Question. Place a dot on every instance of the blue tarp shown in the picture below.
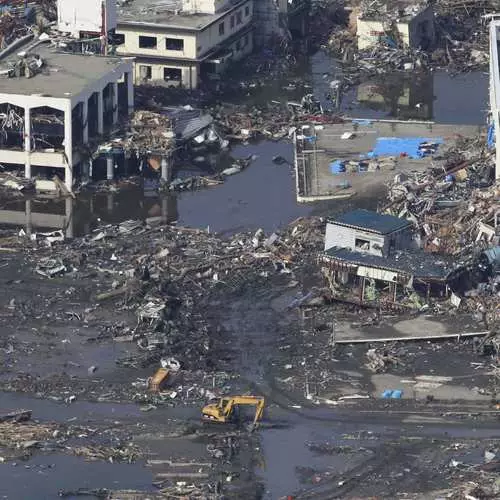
(491, 136)
(337, 167)
(395, 146)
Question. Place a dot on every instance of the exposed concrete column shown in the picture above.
(129, 77)
(109, 168)
(85, 170)
(27, 142)
(100, 113)
(28, 217)
(115, 102)
(69, 217)
(164, 208)
(110, 198)
(166, 167)
(85, 120)
(68, 146)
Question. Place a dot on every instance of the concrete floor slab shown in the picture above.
(315, 181)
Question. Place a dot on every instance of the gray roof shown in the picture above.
(372, 222)
(187, 123)
(168, 13)
(413, 263)
(62, 75)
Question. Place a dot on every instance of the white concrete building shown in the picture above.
(49, 117)
(495, 89)
(181, 46)
(79, 17)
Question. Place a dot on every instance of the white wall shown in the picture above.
(74, 16)
(344, 237)
(495, 90)
(204, 6)
(131, 45)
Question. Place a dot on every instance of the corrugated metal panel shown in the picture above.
(378, 274)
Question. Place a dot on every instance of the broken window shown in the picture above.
(172, 74)
(361, 244)
(239, 17)
(221, 28)
(145, 72)
(174, 44)
(11, 126)
(118, 39)
(47, 129)
(147, 42)
(247, 11)
(232, 22)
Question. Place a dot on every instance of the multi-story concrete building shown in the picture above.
(54, 103)
(495, 92)
(180, 47)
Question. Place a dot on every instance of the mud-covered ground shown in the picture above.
(62, 354)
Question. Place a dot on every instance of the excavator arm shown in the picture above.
(223, 410)
(256, 401)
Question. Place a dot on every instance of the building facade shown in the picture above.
(180, 49)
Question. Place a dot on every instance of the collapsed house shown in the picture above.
(398, 23)
(371, 258)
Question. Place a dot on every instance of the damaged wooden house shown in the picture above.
(373, 259)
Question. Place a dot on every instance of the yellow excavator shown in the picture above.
(224, 410)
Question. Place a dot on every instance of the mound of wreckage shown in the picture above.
(161, 280)
(460, 42)
(455, 208)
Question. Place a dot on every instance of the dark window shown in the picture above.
(221, 29)
(174, 44)
(232, 21)
(361, 244)
(172, 74)
(239, 16)
(147, 42)
(119, 39)
(247, 11)
(145, 72)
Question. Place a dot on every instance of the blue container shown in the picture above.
(387, 394)
(397, 394)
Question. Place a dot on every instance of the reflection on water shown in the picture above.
(262, 195)
(401, 97)
(81, 216)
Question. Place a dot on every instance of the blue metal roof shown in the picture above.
(370, 221)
